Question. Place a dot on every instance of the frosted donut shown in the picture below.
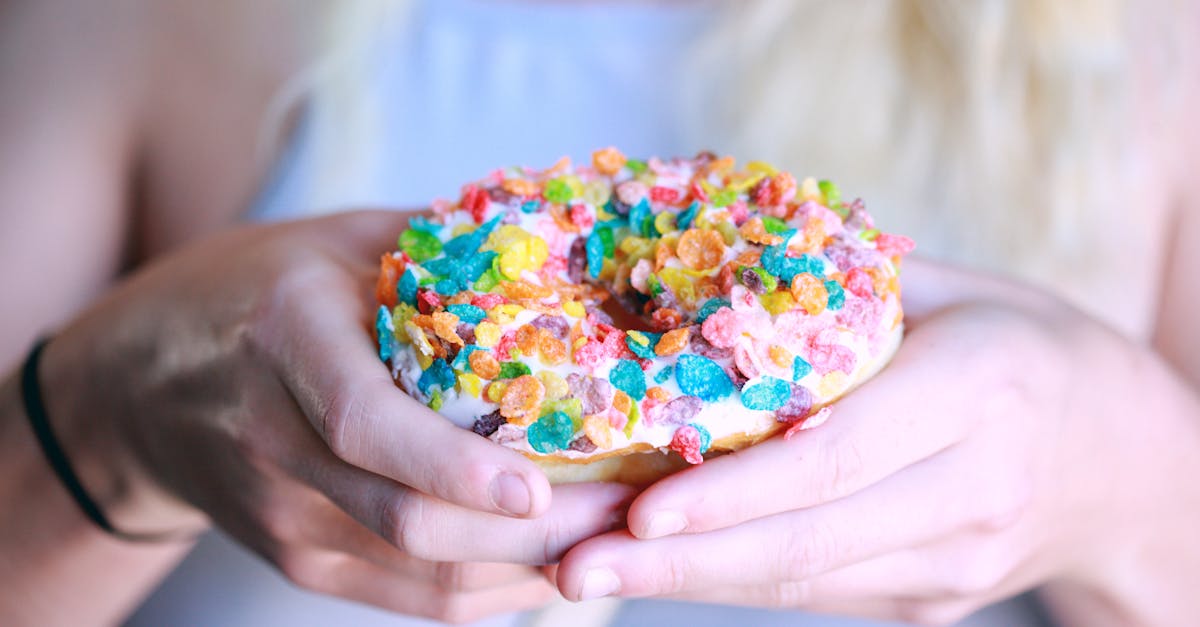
(745, 304)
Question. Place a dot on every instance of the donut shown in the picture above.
(624, 319)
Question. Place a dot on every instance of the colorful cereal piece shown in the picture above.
(673, 342)
(837, 297)
(690, 441)
(608, 161)
(800, 368)
(385, 332)
(702, 377)
(556, 386)
(467, 313)
(701, 249)
(521, 400)
(487, 424)
(598, 430)
(628, 377)
(512, 370)
(406, 289)
(710, 307)
(421, 246)
(642, 343)
(766, 393)
(551, 432)
(483, 364)
(439, 373)
(810, 293)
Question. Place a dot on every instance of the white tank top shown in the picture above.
(475, 85)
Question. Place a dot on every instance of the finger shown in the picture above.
(342, 576)
(909, 509)
(902, 416)
(350, 399)
(323, 525)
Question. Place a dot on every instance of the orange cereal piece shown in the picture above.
(445, 325)
(621, 402)
(527, 340)
(780, 356)
(755, 232)
(484, 364)
(666, 318)
(749, 257)
(673, 341)
(522, 399)
(597, 429)
(810, 293)
(608, 161)
(701, 249)
(521, 290)
(725, 277)
(552, 350)
(658, 393)
(390, 269)
(521, 187)
(722, 166)
(662, 254)
(812, 238)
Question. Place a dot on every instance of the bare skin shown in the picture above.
(129, 155)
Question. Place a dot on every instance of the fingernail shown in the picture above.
(510, 493)
(599, 582)
(664, 524)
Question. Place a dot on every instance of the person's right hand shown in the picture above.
(238, 378)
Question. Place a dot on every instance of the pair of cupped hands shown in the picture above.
(239, 384)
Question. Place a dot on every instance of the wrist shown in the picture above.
(88, 431)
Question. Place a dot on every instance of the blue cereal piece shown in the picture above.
(595, 254)
(406, 288)
(800, 368)
(531, 206)
(469, 243)
(551, 432)
(837, 296)
(385, 332)
(628, 377)
(467, 313)
(664, 374)
(641, 219)
(438, 373)
(645, 351)
(702, 377)
(767, 394)
(709, 308)
(421, 223)
(686, 216)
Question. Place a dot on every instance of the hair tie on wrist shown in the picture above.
(35, 409)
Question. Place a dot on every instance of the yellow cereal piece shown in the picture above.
(469, 383)
(529, 254)
(495, 391)
(638, 337)
(777, 302)
(578, 343)
(833, 384)
(487, 333)
(598, 430)
(504, 314)
(424, 361)
(780, 356)
(728, 231)
(810, 190)
(417, 336)
(742, 182)
(681, 284)
(665, 222)
(572, 308)
(762, 167)
(556, 386)
(504, 236)
(462, 228)
(596, 193)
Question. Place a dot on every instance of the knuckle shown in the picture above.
(977, 579)
(845, 461)
(280, 523)
(340, 422)
(806, 551)
(789, 594)
(304, 569)
(451, 576)
(399, 514)
(674, 575)
(1003, 511)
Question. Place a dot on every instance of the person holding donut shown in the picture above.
(189, 347)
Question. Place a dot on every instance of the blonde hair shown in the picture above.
(990, 130)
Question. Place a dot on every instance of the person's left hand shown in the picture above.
(974, 466)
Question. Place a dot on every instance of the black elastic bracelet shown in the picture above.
(35, 409)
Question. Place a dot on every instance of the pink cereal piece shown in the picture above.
(581, 217)
(738, 212)
(686, 442)
(810, 422)
(505, 345)
(723, 328)
(640, 274)
(595, 394)
(487, 301)
(591, 354)
(826, 355)
(862, 315)
(741, 299)
(617, 420)
(631, 192)
(743, 357)
(894, 245)
(859, 281)
(833, 222)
